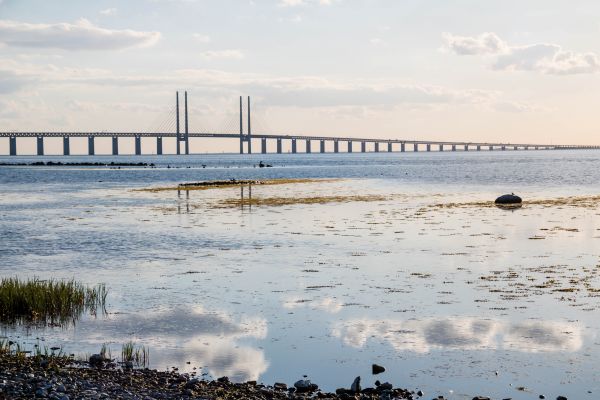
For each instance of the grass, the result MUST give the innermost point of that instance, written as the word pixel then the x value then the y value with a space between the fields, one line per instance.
pixel 231 183
pixel 287 201
pixel 138 355
pixel 55 302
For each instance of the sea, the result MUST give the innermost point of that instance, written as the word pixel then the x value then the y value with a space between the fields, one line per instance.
pixel 397 259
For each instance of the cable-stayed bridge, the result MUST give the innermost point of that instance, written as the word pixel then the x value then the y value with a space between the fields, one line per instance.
pixel 173 126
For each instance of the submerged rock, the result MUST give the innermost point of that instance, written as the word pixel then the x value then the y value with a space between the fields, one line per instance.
pixel 305 385
pixel 509 199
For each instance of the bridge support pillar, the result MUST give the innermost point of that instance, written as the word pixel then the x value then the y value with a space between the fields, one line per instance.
pixel 115 145
pixel 12 145
pixel 322 146
pixel 526 147
pixel 537 148
pixel 263 146
pixel 466 147
pixel 40 145
pixel 91 150
pixel 453 147
pixel 515 148
pixel 503 147
pixel 415 147
pixel 293 146
pixel 138 146
pixel 308 149
pixel 349 146
pixel 440 147
pixel 389 147
pixel 363 147
pixel 490 148
pixel 159 150
pixel 376 147
pixel 66 146
pixel 336 146
pixel 428 147
pixel 402 147
pixel 478 148
pixel 279 146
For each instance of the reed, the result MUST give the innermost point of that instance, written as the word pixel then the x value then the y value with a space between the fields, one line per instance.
pixel 56 302
pixel 138 355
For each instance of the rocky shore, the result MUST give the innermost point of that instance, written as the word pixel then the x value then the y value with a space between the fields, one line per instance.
pixel 62 378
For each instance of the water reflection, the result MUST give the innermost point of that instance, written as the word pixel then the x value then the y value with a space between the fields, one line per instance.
pixel 463 333
pixel 184 338
pixel 327 304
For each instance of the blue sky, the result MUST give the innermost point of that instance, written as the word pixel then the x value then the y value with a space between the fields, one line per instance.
pixel 450 70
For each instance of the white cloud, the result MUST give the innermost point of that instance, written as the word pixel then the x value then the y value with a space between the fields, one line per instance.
pixel 486 43
pixel 222 54
pixel 296 3
pixel 542 57
pixel 81 35
pixel 108 12
pixel 201 38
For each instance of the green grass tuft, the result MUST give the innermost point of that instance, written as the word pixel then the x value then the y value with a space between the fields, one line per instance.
pixel 55 302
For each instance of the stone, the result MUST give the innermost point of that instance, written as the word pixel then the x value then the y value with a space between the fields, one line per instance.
pixel 305 386
pixel 355 387
pixel 481 398
pixel 96 360
pixel 420 393
pixel 385 386
pixel 509 199
pixel 280 386
pixel 377 369
pixel 561 398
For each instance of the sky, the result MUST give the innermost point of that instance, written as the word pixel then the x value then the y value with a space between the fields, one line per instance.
pixel 501 71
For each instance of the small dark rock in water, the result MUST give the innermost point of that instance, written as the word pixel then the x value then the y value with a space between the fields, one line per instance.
pixel 223 379
pixel 355 387
pixel 377 369
pixel 385 386
pixel 561 398
pixel 280 386
pixel 509 199
pixel 542 396
pixel 420 393
pixel 481 398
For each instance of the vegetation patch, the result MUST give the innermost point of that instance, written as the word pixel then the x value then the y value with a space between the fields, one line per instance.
pixel 287 201
pixel 48 302
pixel 204 185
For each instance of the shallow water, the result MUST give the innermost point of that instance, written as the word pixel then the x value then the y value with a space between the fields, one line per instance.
pixel 456 301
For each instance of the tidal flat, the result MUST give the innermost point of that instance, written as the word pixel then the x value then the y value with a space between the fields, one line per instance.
pixel 452 300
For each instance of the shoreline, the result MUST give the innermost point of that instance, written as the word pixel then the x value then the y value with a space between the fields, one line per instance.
pixel 62 378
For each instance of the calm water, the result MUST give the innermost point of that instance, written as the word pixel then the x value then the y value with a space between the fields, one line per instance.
pixel 456 301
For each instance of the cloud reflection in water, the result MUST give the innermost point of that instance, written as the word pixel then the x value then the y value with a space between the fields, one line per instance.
pixel 180 335
pixel 463 333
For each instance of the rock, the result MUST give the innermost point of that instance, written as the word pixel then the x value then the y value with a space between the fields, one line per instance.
pixel 223 379
pixel 377 369
pixel 508 199
pixel 481 398
pixel 280 386
pixel 355 387
pixel 96 360
pixel 305 386
pixel 541 396
pixel 420 393
pixel 561 398
pixel 385 386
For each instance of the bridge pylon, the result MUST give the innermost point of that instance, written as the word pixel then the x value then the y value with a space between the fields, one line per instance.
pixel 247 137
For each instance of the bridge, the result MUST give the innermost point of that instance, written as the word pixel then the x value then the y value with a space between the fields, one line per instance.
pixel 183 136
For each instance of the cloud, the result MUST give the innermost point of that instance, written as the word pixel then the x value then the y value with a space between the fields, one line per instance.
pixel 546 58
pixel 11 81
pixel 463 333
pixel 201 38
pixel 108 12
pixel 296 3
pixel 486 43
pixel 222 54
pixel 81 35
